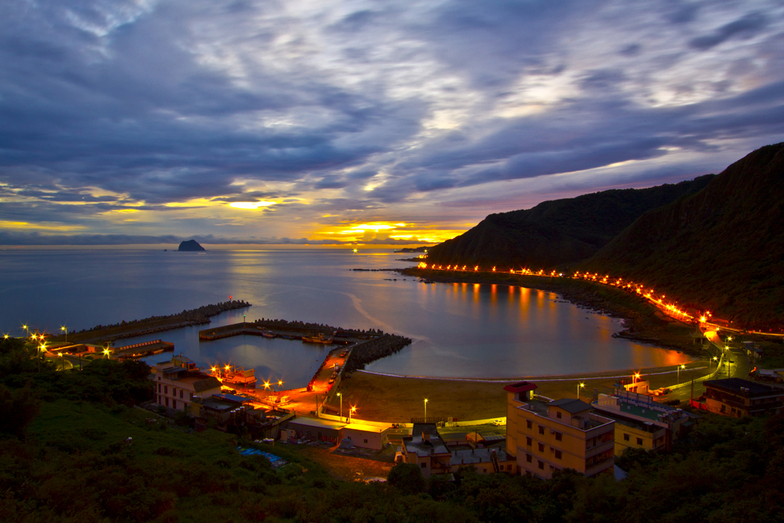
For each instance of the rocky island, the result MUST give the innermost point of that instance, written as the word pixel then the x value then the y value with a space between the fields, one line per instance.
pixel 191 246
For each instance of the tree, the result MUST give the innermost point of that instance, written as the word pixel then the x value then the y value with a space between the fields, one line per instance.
pixel 407 477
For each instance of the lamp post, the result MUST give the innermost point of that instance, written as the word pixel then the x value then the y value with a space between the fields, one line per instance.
pixel 425 410
pixel 679 373
pixel 579 386
pixel 716 359
pixel 41 348
pixel 729 368
pixel 340 395
pixel 352 410
pixel 66 333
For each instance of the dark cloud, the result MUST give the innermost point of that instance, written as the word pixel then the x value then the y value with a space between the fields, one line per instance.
pixel 631 50
pixel 746 27
pixel 112 103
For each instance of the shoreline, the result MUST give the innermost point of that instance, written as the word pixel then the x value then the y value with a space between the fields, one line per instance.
pixel 644 323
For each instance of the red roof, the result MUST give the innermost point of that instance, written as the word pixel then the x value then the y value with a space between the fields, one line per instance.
pixel 521 386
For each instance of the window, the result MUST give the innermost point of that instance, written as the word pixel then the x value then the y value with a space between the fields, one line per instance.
pixel 558 454
pixel 423 464
pixel 165 389
pixel 541 465
pixel 528 441
pixel 191 396
pixel 639 441
pixel 625 437
pixel 558 436
pixel 159 387
pixel 167 402
pixel 541 447
pixel 180 393
pixel 528 424
pixel 365 441
pixel 174 404
pixel 528 458
pixel 558 415
pixel 541 429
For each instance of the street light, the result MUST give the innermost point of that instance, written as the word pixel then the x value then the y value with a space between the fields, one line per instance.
pixel 66 333
pixel 26 329
pixel 679 372
pixel 716 359
pixel 425 410
pixel 353 409
pixel 729 368
pixel 340 395
pixel 580 386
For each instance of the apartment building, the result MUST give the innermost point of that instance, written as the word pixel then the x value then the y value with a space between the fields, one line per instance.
pixel 737 397
pixel 546 435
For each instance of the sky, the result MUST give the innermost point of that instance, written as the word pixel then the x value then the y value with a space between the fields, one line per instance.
pixel 326 122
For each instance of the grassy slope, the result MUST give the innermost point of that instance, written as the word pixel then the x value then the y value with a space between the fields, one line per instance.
pixel 722 249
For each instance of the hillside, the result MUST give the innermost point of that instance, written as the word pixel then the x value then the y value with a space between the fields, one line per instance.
pixel 722 249
pixel 557 232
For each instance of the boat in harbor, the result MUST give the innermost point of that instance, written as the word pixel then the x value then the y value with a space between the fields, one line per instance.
pixel 266 332
pixel 318 338
pixel 238 376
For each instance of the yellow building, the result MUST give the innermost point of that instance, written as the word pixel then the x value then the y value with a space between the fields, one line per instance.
pixel 546 435
pixel 641 422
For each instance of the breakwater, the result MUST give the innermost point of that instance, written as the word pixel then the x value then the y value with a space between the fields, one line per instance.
pixel 374 349
pixel 154 324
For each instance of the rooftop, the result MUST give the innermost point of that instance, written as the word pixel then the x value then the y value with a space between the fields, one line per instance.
pixel 467 457
pixel 572 406
pixel 741 386
pixel 520 386
pixel 422 446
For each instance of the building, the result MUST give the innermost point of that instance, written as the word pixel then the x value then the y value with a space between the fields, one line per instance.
pixel 428 450
pixel 641 422
pixel 738 397
pixel 178 381
pixel 366 436
pixel 546 435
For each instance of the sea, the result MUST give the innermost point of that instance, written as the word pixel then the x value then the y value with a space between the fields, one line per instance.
pixel 458 330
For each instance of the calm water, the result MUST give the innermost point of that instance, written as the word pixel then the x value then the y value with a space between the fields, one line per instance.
pixel 460 330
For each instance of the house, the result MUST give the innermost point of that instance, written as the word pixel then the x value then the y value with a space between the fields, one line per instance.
pixel 427 449
pixel 178 381
pixel 641 422
pixel 738 397
pixel 366 436
pixel 546 435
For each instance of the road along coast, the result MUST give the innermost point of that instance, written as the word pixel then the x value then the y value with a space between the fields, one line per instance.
pixel 397 399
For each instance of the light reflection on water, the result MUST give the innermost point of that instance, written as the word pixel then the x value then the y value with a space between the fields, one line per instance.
pixel 460 329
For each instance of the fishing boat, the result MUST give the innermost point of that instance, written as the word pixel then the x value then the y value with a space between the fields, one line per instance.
pixel 318 338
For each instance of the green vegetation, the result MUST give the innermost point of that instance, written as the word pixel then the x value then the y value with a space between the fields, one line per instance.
pixel 721 249
pixel 65 455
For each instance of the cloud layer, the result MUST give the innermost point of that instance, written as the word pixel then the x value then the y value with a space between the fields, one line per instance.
pixel 139 118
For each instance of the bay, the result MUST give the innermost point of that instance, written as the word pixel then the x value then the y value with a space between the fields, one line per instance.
pixel 459 330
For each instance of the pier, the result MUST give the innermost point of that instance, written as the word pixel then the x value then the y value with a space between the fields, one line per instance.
pixel 286 331
pixel 140 350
